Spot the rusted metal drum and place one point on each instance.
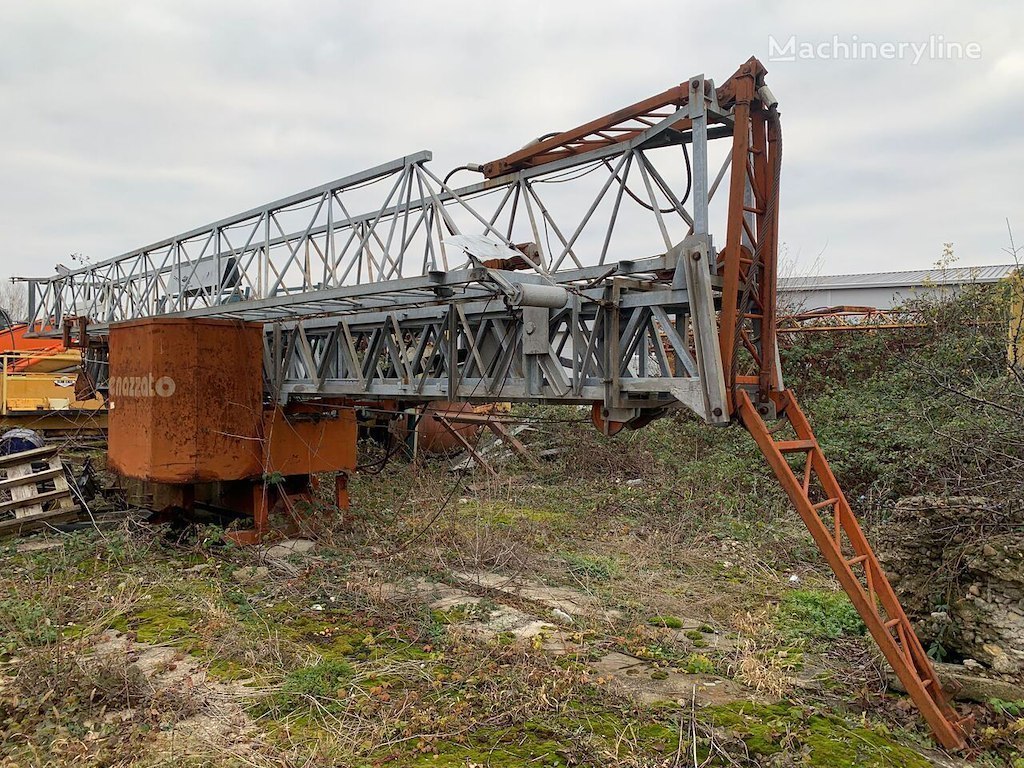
(434, 439)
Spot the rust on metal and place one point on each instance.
(434, 433)
(619, 126)
(850, 318)
(186, 396)
(186, 399)
(456, 425)
(303, 438)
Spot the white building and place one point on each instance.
(881, 290)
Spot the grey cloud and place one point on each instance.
(124, 123)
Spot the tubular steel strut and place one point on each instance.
(390, 284)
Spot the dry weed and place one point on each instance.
(759, 660)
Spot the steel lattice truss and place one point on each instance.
(559, 277)
(617, 343)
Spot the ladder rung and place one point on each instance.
(827, 503)
(891, 623)
(857, 561)
(792, 446)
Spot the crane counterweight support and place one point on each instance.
(390, 286)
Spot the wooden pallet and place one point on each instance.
(34, 492)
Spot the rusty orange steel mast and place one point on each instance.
(747, 268)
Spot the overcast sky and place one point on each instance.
(126, 122)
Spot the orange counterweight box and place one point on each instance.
(186, 409)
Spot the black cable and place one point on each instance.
(682, 201)
(455, 170)
(565, 176)
(376, 467)
(433, 518)
(689, 176)
(458, 479)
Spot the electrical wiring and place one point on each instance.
(455, 485)
(455, 170)
(376, 467)
(682, 200)
(518, 417)
(564, 176)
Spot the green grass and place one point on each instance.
(590, 567)
(817, 615)
(25, 622)
(322, 680)
(368, 682)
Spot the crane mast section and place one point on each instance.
(491, 291)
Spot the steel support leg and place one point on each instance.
(815, 492)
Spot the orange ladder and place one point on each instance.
(814, 491)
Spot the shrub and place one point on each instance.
(818, 615)
(919, 410)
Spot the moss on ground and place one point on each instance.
(825, 740)
(163, 621)
(342, 635)
(583, 735)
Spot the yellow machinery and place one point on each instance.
(37, 391)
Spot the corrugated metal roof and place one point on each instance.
(915, 277)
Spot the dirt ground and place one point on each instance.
(604, 615)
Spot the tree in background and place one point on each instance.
(14, 301)
(1015, 353)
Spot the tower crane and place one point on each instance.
(580, 269)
